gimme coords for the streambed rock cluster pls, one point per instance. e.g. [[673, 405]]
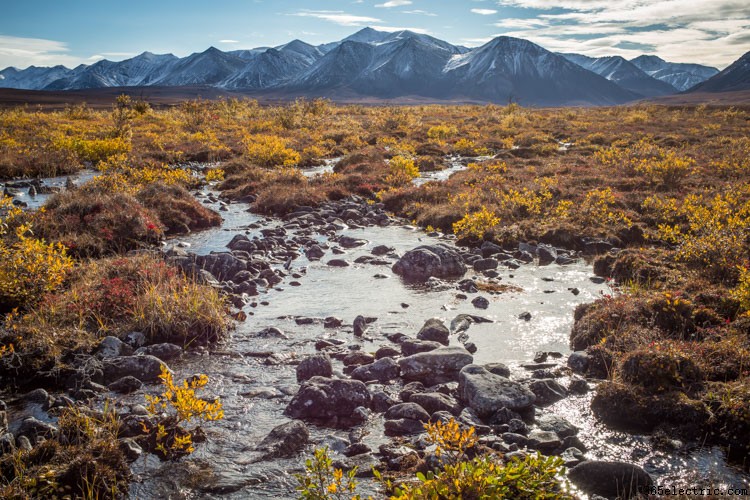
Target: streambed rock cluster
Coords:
[[410, 379]]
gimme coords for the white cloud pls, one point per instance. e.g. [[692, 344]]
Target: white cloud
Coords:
[[704, 31], [229, 41], [338, 17], [420, 12], [394, 3], [22, 52], [484, 12], [391, 29]]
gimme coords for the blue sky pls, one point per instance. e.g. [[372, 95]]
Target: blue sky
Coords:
[[71, 32]]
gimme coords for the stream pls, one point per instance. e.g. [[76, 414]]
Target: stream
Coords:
[[254, 392]]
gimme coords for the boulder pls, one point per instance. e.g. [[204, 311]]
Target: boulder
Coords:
[[285, 440], [145, 368], [224, 266], [322, 397], [545, 441], [436, 401], [110, 347], [359, 326], [486, 392], [410, 347], [316, 365], [410, 411], [547, 391], [558, 425], [611, 479], [382, 370], [403, 427], [423, 262], [165, 351], [578, 361], [434, 330], [125, 385], [435, 367]]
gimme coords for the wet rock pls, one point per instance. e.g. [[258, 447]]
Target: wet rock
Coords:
[[488, 248], [357, 358], [578, 385], [471, 347], [409, 410], [332, 322], [421, 263], [145, 368], [23, 443], [517, 426], [610, 479], [410, 389], [322, 397], [7, 443], [365, 463], [545, 441], [314, 252], [540, 357], [125, 385], [512, 438], [434, 330], [572, 456], [547, 391], [285, 440], [403, 427], [484, 265], [40, 397], [110, 347], [469, 417], [547, 254], [356, 449], [32, 428], [498, 369], [436, 401], [435, 367], [349, 242], [386, 352], [303, 321], [381, 250], [359, 326], [382, 370], [410, 347], [224, 266], [271, 333], [135, 339], [526, 316], [486, 392], [337, 263], [578, 361], [381, 401], [165, 351], [480, 302], [315, 365]]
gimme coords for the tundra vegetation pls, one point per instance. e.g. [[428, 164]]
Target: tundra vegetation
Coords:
[[669, 187]]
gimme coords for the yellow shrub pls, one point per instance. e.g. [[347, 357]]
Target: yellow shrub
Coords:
[[440, 133], [402, 171], [29, 267], [476, 224], [270, 151], [214, 174]]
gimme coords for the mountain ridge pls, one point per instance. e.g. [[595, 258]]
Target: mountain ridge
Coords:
[[380, 64]]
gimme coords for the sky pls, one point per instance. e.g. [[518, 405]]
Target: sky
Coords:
[[72, 32]]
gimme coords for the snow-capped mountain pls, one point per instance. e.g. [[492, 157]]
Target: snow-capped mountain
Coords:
[[735, 77], [402, 63], [679, 75], [508, 68], [205, 68], [372, 63], [624, 73], [31, 78]]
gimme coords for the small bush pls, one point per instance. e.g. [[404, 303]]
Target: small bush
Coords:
[[476, 225], [270, 151], [175, 409], [660, 367], [177, 210], [29, 267], [82, 461]]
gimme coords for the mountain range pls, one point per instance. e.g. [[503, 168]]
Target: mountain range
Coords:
[[388, 65]]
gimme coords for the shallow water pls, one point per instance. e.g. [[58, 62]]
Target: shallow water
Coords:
[[255, 394], [348, 292], [38, 200]]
